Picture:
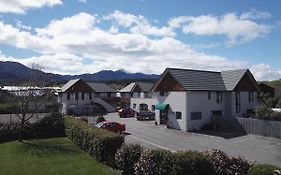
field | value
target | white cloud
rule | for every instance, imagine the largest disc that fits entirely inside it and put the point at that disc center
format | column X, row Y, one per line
column 254, row 14
column 20, row 25
column 68, row 48
column 138, row 24
column 265, row 72
column 82, row 1
column 235, row 29
column 20, row 6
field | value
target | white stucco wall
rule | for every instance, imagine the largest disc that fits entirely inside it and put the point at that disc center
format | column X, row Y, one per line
column 197, row 101
column 140, row 100
column 67, row 103
column 177, row 103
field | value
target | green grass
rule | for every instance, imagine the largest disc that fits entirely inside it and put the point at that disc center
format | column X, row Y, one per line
column 56, row 156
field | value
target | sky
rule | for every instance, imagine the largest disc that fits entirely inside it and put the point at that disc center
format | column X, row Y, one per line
column 87, row 36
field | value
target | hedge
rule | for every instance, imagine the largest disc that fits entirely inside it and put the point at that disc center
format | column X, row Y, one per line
column 50, row 126
column 264, row 169
column 99, row 143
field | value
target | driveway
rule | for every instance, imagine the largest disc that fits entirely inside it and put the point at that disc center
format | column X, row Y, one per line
column 260, row 149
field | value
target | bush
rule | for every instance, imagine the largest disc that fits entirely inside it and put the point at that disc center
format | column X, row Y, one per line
column 264, row 169
column 99, row 143
column 155, row 162
column 263, row 113
column 50, row 126
column 100, row 119
column 126, row 157
column 224, row 165
column 192, row 163
column 276, row 116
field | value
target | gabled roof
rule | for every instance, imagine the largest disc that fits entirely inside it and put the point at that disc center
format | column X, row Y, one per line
column 101, row 87
column 128, row 88
column 232, row 77
column 145, row 87
column 207, row 80
column 69, row 84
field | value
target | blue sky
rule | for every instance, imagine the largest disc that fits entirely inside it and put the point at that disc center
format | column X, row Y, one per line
column 86, row 36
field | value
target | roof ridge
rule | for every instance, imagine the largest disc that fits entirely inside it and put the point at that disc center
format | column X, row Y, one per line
column 199, row 70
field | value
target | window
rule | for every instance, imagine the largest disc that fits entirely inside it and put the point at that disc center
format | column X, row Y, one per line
column 152, row 107
column 163, row 93
column 251, row 97
column 209, row 95
column 72, row 96
column 97, row 94
column 134, row 106
column 90, row 96
column 178, row 115
column 237, row 102
column 68, row 96
column 196, row 115
column 219, row 97
column 86, row 96
column 82, row 96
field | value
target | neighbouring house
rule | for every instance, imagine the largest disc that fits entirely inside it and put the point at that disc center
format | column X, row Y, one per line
column 189, row 99
column 267, row 89
column 135, row 90
column 82, row 98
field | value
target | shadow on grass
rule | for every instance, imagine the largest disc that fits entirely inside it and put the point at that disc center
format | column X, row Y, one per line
column 48, row 147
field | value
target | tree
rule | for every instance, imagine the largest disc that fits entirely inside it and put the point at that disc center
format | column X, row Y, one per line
column 32, row 98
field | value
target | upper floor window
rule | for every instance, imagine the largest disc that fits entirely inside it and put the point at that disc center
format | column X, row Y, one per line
column 219, row 97
column 178, row 115
column 237, row 102
column 82, row 96
column 163, row 93
column 251, row 97
column 209, row 95
column 86, row 96
column 73, row 96
column 152, row 107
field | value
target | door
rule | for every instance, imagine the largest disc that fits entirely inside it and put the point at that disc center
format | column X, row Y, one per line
column 163, row 116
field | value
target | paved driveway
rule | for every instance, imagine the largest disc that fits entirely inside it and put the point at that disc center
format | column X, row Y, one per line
column 260, row 149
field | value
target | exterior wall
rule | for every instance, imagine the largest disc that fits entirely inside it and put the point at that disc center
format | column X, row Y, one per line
column 197, row 101
column 138, row 101
column 244, row 103
column 177, row 102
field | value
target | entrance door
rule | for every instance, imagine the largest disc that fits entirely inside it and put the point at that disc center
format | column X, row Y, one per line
column 163, row 116
column 216, row 119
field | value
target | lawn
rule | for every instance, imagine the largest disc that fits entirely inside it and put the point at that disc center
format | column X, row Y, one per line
column 55, row 156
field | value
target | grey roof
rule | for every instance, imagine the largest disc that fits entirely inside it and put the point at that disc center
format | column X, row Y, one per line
column 232, row 77
column 128, row 88
column 198, row 79
column 145, row 87
column 69, row 84
column 101, row 87
column 207, row 80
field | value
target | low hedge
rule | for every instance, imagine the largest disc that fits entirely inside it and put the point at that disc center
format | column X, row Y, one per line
column 50, row 126
column 264, row 169
column 126, row 158
column 161, row 162
column 99, row 143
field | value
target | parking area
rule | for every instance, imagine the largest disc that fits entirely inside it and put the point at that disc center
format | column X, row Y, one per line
column 260, row 149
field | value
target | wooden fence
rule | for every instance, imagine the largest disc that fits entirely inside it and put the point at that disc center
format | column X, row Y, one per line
column 258, row 127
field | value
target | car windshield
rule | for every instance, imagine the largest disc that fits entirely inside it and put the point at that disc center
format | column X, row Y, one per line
column 99, row 124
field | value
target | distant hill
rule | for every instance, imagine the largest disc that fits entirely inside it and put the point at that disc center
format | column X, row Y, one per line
column 15, row 73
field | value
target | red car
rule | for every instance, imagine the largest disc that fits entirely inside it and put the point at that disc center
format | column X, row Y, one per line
column 112, row 126
column 126, row 112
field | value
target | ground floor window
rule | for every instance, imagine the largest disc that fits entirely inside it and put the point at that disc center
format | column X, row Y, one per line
column 134, row 106
column 196, row 115
column 152, row 107
column 237, row 102
column 178, row 115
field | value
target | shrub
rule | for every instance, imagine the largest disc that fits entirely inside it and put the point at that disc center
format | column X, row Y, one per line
column 126, row 157
column 224, row 165
column 264, row 169
column 99, row 143
column 100, row 118
column 154, row 162
column 276, row 116
column 192, row 163
column 263, row 112
column 50, row 126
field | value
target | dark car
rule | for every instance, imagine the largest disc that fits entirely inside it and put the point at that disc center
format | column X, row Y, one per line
column 126, row 112
column 145, row 115
column 112, row 126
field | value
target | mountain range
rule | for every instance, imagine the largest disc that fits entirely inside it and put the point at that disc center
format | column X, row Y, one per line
column 14, row 73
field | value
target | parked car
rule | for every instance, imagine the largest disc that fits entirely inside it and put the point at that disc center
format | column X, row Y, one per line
column 112, row 126
column 145, row 116
column 126, row 112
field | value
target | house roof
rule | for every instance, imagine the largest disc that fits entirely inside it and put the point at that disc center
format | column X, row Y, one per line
column 232, row 77
column 145, row 87
column 206, row 80
column 101, row 87
column 69, row 84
